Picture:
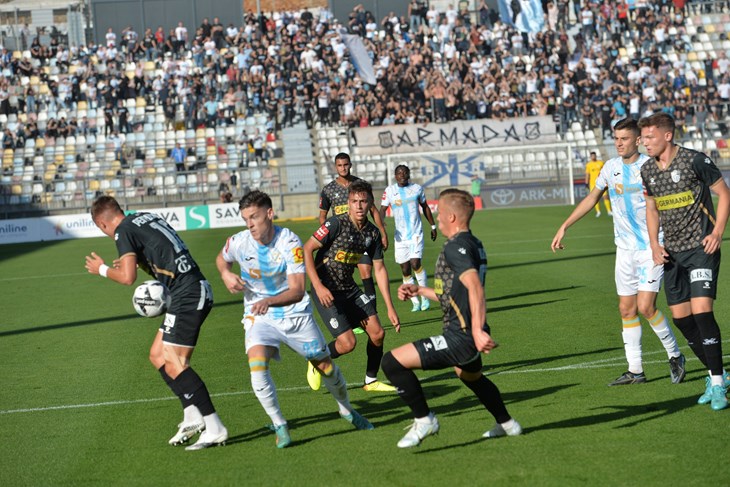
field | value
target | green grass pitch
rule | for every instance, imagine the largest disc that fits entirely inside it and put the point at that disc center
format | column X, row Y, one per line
column 81, row 405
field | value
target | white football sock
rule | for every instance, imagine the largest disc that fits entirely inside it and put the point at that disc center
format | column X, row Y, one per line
column 660, row 325
column 192, row 414
column 265, row 390
column 337, row 386
column 632, row 343
column 213, row 423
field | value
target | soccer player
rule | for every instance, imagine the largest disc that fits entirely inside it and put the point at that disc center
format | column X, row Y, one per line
column 593, row 169
column 459, row 288
column 404, row 198
column 678, row 183
column 340, row 244
column 335, row 196
column 637, row 278
column 148, row 241
column 277, row 308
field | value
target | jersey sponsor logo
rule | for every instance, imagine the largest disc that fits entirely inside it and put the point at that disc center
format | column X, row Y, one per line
column 632, row 188
column 298, row 253
column 700, row 275
column 438, row 286
column 340, row 209
column 676, row 176
column 197, row 217
column 439, row 343
column 672, row 201
column 255, row 273
column 347, row 257
column 321, row 232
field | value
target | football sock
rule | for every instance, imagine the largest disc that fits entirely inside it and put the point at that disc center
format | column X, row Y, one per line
column 711, row 341
column 421, row 278
column 490, row 397
column 375, row 355
column 607, row 204
column 264, row 388
column 369, row 288
column 332, row 347
column 409, row 280
column 335, row 383
column 165, row 377
column 717, row 380
column 213, row 423
column 407, row 384
column 191, row 390
column 632, row 343
column 691, row 332
column 192, row 414
column 660, row 325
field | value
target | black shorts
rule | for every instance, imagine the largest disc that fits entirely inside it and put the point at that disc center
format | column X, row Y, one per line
column 691, row 274
column 365, row 259
column 347, row 312
column 452, row 349
column 186, row 315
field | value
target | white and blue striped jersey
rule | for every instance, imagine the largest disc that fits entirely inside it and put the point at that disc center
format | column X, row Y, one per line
column 626, row 191
column 404, row 202
column 265, row 268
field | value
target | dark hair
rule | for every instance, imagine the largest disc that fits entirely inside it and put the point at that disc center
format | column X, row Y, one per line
column 659, row 120
column 627, row 124
column 343, row 155
column 255, row 198
column 361, row 186
column 402, row 167
column 104, row 204
column 459, row 199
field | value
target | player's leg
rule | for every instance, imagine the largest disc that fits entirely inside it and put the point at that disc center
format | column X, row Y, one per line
column 646, row 301
column 192, row 422
column 607, row 203
column 401, row 257
column 627, row 282
column 719, row 380
column 597, row 207
column 263, row 386
column 337, row 321
column 376, row 336
column 418, row 270
column 398, row 366
column 490, row 397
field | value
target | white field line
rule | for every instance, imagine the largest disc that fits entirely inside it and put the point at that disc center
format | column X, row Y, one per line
column 595, row 364
column 48, row 276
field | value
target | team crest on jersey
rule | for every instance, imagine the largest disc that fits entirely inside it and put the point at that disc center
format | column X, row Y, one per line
column 651, row 181
column 676, row 176
column 334, row 323
column 707, row 160
column 462, row 250
column 298, row 255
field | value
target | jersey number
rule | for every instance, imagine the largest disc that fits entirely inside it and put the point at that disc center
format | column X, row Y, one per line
column 176, row 242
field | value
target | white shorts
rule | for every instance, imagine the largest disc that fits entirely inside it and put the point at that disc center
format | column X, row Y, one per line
column 635, row 271
column 300, row 333
column 406, row 250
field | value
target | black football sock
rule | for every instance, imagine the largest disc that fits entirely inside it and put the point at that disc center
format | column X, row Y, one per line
column 490, row 396
column 168, row 380
column 711, row 341
column 191, row 390
column 332, row 347
column 691, row 332
column 408, row 385
column 375, row 355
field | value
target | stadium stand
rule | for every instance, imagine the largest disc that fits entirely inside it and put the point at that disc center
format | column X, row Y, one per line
column 79, row 121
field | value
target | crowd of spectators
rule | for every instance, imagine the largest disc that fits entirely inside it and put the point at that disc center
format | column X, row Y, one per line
column 430, row 65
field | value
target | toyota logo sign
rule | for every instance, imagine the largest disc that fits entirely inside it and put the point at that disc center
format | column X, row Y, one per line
column 502, row 197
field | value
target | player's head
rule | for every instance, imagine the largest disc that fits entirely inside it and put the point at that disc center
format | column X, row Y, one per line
column 106, row 213
column 343, row 164
column 657, row 133
column 593, row 156
column 258, row 214
column 626, row 137
column 402, row 175
column 360, row 199
column 456, row 207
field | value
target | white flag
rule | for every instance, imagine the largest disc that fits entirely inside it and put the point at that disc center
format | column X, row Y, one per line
column 361, row 60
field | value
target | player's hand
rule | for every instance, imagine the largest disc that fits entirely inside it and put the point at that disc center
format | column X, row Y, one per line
column 712, row 243
column 93, row 262
column 659, row 254
column 484, row 341
column 394, row 319
column 260, row 307
column 384, row 241
column 233, row 282
column 325, row 296
column 407, row 291
column 434, row 233
column 116, row 263
column 558, row 240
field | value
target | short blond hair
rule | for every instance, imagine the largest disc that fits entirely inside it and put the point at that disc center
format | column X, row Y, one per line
column 459, row 201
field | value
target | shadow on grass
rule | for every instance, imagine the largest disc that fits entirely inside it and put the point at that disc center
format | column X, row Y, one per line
column 95, row 321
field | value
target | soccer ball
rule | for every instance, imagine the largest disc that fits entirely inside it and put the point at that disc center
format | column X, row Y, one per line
column 151, row 298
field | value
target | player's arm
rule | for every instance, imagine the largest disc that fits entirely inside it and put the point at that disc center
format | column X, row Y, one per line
column 323, row 294
column 652, row 226
column 233, row 281
column 429, row 216
column 713, row 241
column 322, row 216
column 379, row 222
column 294, row 294
column 124, row 270
column 381, row 275
column 324, row 207
column 478, row 309
column 579, row 212
column 408, row 291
